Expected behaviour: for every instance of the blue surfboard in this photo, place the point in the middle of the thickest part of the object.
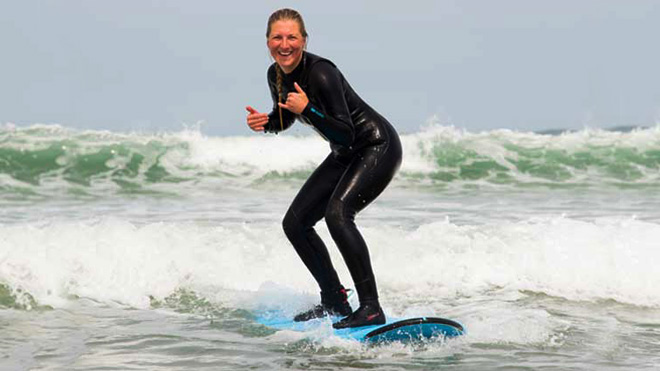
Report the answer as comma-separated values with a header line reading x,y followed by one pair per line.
x,y
408,330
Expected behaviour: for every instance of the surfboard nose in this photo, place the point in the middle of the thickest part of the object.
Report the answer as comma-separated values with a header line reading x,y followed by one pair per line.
x,y
415,329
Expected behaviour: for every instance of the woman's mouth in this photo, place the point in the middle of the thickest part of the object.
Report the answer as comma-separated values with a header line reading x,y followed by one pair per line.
x,y
285,54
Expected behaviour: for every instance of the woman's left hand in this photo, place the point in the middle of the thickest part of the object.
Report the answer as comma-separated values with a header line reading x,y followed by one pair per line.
x,y
296,102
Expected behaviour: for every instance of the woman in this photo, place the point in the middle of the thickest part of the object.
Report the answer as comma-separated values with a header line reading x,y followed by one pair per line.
x,y
365,155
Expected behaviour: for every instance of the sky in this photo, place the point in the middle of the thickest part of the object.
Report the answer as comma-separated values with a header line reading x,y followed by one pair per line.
x,y
137,65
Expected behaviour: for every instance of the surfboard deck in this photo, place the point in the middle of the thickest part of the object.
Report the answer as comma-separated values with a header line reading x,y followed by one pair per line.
x,y
396,329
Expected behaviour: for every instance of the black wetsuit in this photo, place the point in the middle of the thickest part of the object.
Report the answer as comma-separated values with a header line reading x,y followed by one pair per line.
x,y
366,153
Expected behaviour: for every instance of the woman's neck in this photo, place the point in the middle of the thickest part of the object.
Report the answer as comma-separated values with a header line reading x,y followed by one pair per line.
x,y
302,56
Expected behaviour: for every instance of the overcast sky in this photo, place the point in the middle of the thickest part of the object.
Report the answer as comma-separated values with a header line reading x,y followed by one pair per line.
x,y
154,65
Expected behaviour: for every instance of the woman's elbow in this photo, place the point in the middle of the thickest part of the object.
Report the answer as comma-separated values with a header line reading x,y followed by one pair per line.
x,y
346,138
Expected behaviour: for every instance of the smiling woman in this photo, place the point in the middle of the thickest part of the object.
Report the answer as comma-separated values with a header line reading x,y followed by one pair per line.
x,y
287,38
366,153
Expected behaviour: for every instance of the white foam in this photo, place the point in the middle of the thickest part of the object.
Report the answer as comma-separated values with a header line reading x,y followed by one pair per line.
x,y
610,258
111,260
261,153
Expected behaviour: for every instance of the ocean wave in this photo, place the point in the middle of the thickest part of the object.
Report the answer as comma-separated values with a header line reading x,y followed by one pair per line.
x,y
42,158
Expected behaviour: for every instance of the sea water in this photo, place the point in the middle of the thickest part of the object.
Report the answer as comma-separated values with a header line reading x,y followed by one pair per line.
x,y
154,251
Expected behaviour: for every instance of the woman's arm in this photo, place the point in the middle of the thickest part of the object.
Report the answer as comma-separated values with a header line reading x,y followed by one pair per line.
x,y
334,121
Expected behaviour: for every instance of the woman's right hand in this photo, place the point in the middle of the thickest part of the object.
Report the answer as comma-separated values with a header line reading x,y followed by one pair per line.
x,y
255,120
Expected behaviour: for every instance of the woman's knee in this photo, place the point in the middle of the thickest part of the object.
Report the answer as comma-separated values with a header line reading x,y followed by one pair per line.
x,y
337,216
291,224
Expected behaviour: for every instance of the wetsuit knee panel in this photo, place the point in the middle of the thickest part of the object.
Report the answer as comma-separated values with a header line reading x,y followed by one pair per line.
x,y
337,215
291,224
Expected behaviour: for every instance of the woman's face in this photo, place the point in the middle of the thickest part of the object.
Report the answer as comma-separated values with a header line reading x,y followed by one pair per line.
x,y
286,44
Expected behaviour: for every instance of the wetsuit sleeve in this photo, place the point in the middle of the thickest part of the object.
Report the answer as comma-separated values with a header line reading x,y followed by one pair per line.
x,y
274,125
334,120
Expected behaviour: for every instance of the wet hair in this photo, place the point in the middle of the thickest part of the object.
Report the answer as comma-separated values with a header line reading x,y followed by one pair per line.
x,y
286,13
278,15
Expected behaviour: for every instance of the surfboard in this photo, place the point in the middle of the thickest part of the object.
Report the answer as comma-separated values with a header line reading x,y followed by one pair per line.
x,y
408,330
